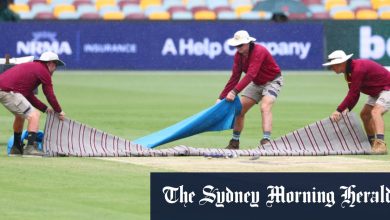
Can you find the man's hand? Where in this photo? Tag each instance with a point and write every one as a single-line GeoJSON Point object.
{"type": "Point", "coordinates": [231, 96]}
{"type": "Point", "coordinates": [336, 116]}
{"type": "Point", "coordinates": [61, 115]}
{"type": "Point", "coordinates": [49, 111]}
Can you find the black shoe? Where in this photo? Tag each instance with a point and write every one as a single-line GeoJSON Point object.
{"type": "Point", "coordinates": [264, 141]}
{"type": "Point", "coordinates": [32, 151]}
{"type": "Point", "coordinates": [16, 151]}
{"type": "Point", "coordinates": [233, 145]}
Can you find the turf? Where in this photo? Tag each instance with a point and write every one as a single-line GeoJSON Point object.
{"type": "Point", "coordinates": [72, 188]}
{"type": "Point", "coordinates": [130, 105]}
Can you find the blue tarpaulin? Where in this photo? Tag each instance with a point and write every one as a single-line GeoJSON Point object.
{"type": "Point", "coordinates": [216, 118]}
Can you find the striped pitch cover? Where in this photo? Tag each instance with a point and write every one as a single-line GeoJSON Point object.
{"type": "Point", "coordinates": [72, 138]}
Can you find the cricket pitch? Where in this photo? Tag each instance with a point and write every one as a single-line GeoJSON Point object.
{"type": "Point", "coordinates": [263, 164]}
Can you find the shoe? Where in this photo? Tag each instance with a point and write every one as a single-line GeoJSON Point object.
{"type": "Point", "coordinates": [371, 142]}
{"type": "Point", "coordinates": [16, 151]}
{"type": "Point", "coordinates": [379, 147]}
{"type": "Point", "coordinates": [264, 141]}
{"type": "Point", "coordinates": [233, 145]}
{"type": "Point", "coordinates": [32, 151]}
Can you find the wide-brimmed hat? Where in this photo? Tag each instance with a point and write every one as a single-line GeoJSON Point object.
{"type": "Point", "coordinates": [240, 37]}
{"type": "Point", "coordinates": [51, 56]}
{"type": "Point", "coordinates": [337, 57]}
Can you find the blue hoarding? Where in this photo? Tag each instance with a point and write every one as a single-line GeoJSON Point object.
{"type": "Point", "coordinates": [145, 45]}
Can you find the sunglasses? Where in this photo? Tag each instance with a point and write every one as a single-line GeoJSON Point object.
{"type": "Point", "coordinates": [239, 46]}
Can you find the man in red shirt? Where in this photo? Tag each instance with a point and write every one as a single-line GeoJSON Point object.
{"type": "Point", "coordinates": [261, 83]}
{"type": "Point", "coordinates": [372, 79]}
{"type": "Point", "coordinates": [16, 94]}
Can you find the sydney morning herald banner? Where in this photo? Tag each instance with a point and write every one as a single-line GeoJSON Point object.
{"type": "Point", "coordinates": [161, 45]}
{"type": "Point", "coordinates": [276, 196]}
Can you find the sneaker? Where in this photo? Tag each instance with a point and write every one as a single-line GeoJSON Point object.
{"type": "Point", "coordinates": [233, 145]}
{"type": "Point", "coordinates": [264, 141]}
{"type": "Point", "coordinates": [379, 147]}
{"type": "Point", "coordinates": [371, 142]}
{"type": "Point", "coordinates": [16, 151]}
{"type": "Point", "coordinates": [32, 151]}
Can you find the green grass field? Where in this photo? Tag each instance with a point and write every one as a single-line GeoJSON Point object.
{"type": "Point", "coordinates": [130, 105]}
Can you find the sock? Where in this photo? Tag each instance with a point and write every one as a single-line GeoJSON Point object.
{"type": "Point", "coordinates": [17, 139]}
{"type": "Point", "coordinates": [32, 136]}
{"type": "Point", "coordinates": [267, 135]}
{"type": "Point", "coordinates": [380, 136]}
{"type": "Point", "coordinates": [370, 137]}
{"type": "Point", "coordinates": [236, 135]}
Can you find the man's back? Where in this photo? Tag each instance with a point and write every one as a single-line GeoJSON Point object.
{"type": "Point", "coordinates": [24, 78]}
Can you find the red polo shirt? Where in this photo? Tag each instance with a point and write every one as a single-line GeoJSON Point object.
{"type": "Point", "coordinates": [259, 66]}
{"type": "Point", "coordinates": [24, 78]}
{"type": "Point", "coordinates": [367, 77]}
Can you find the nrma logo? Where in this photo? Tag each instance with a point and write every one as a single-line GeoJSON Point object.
{"type": "Point", "coordinates": [43, 41]}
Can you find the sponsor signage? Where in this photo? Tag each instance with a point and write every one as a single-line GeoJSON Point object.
{"type": "Point", "coordinates": [161, 45]}
{"type": "Point", "coordinates": [269, 196]}
{"type": "Point", "coordinates": [365, 39]}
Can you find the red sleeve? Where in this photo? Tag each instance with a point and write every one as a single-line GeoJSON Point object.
{"type": "Point", "coordinates": [353, 94]}
{"type": "Point", "coordinates": [47, 88]}
{"type": "Point", "coordinates": [234, 78]}
{"type": "Point", "coordinates": [36, 102]}
{"type": "Point", "coordinates": [256, 60]}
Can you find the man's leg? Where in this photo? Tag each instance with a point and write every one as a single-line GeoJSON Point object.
{"type": "Point", "coordinates": [17, 148]}
{"type": "Point", "coordinates": [269, 95]}
{"type": "Point", "coordinates": [18, 123]}
{"type": "Point", "coordinates": [368, 123]}
{"type": "Point", "coordinates": [22, 109]}
{"type": "Point", "coordinates": [32, 128]}
{"type": "Point", "coordinates": [18, 129]}
{"type": "Point", "coordinates": [247, 104]}
{"type": "Point", "coordinates": [377, 118]}
{"type": "Point", "coordinates": [266, 115]}
{"type": "Point", "coordinates": [379, 146]}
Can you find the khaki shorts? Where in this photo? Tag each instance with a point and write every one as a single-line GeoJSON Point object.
{"type": "Point", "coordinates": [383, 100]}
{"type": "Point", "coordinates": [256, 92]}
{"type": "Point", "coordinates": [16, 103]}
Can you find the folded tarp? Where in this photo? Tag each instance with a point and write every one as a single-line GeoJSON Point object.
{"type": "Point", "coordinates": [216, 118]}
{"type": "Point", "coordinates": [324, 137]}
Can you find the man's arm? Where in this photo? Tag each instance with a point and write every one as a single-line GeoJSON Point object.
{"type": "Point", "coordinates": [255, 63]}
{"type": "Point", "coordinates": [351, 99]}
{"type": "Point", "coordinates": [234, 78]}
{"type": "Point", "coordinates": [36, 103]}
{"type": "Point", "coordinates": [51, 98]}
{"type": "Point", "coordinates": [353, 95]}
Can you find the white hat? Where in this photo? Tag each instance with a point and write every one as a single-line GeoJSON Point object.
{"type": "Point", "coordinates": [51, 56]}
{"type": "Point", "coordinates": [240, 37]}
{"type": "Point", "coordinates": [336, 57]}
